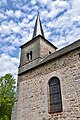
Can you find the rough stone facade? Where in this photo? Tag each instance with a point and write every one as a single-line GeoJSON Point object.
{"type": "Point", "coordinates": [32, 93]}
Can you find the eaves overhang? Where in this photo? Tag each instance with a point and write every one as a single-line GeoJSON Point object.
{"type": "Point", "coordinates": [36, 38]}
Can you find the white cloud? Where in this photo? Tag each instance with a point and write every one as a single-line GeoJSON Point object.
{"type": "Point", "coordinates": [2, 16]}
{"type": "Point", "coordinates": [16, 28]}
{"type": "Point", "coordinates": [43, 1]}
{"type": "Point", "coordinates": [8, 49]}
{"type": "Point", "coordinates": [8, 65]}
{"type": "Point", "coordinates": [66, 31]}
{"type": "Point", "coordinates": [10, 13]}
{"type": "Point", "coordinates": [33, 2]}
{"type": "Point", "coordinates": [30, 16]}
{"type": "Point", "coordinates": [76, 5]}
{"type": "Point", "coordinates": [11, 28]}
{"type": "Point", "coordinates": [3, 2]}
{"type": "Point", "coordinates": [60, 43]}
{"type": "Point", "coordinates": [24, 23]}
{"type": "Point", "coordinates": [57, 4]}
{"type": "Point", "coordinates": [44, 13]}
{"type": "Point", "coordinates": [13, 40]}
{"type": "Point", "coordinates": [60, 4]}
{"type": "Point", "coordinates": [76, 18]}
{"type": "Point", "coordinates": [4, 28]}
{"type": "Point", "coordinates": [52, 13]}
{"type": "Point", "coordinates": [61, 30]}
{"type": "Point", "coordinates": [47, 34]}
{"type": "Point", "coordinates": [18, 13]}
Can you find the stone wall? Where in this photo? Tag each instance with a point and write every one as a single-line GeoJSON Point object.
{"type": "Point", "coordinates": [45, 48]}
{"type": "Point", "coordinates": [32, 46]}
{"type": "Point", "coordinates": [33, 96]}
{"type": "Point", "coordinates": [40, 49]}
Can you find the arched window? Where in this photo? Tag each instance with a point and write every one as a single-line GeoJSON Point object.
{"type": "Point", "coordinates": [29, 56]}
{"type": "Point", "coordinates": [55, 100]}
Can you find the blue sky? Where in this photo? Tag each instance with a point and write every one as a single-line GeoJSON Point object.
{"type": "Point", "coordinates": [60, 21]}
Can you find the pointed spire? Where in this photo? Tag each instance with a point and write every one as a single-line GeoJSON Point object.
{"type": "Point", "coordinates": [38, 27]}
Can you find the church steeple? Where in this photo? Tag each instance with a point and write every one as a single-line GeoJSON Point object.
{"type": "Point", "coordinates": [38, 27]}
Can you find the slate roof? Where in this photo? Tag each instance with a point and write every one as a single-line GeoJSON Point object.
{"type": "Point", "coordinates": [38, 30]}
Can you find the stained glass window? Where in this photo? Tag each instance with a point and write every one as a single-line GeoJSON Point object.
{"type": "Point", "coordinates": [55, 95]}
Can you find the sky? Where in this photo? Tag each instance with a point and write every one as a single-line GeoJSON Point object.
{"type": "Point", "coordinates": [60, 20]}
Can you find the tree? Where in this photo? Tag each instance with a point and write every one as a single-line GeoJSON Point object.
{"type": "Point", "coordinates": [7, 96]}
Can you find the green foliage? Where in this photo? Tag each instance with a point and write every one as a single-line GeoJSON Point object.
{"type": "Point", "coordinates": [7, 96]}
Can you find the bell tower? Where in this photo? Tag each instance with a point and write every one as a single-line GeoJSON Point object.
{"type": "Point", "coordinates": [35, 50]}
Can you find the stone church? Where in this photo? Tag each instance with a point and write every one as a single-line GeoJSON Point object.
{"type": "Point", "coordinates": [48, 85]}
